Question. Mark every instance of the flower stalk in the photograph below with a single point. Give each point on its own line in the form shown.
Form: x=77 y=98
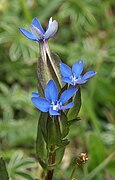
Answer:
x=54 y=97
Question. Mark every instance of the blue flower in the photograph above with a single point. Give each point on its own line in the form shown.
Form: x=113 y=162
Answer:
x=50 y=102
x=37 y=33
x=73 y=76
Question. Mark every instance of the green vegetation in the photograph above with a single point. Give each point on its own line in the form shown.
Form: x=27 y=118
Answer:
x=86 y=31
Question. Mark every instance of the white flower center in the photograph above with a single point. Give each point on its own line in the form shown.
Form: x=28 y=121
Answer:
x=74 y=79
x=55 y=106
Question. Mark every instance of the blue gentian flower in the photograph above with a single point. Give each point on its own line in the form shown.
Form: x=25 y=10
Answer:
x=50 y=102
x=73 y=76
x=37 y=33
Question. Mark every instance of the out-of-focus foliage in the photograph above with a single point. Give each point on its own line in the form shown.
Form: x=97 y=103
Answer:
x=86 y=31
x=3 y=170
x=18 y=167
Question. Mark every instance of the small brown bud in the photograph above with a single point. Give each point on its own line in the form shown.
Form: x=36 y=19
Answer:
x=82 y=158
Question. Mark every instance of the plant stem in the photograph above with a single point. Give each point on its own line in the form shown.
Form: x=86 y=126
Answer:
x=74 y=169
x=49 y=175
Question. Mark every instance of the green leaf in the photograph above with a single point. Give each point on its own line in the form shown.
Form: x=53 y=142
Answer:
x=43 y=124
x=41 y=145
x=59 y=154
x=54 y=65
x=73 y=121
x=25 y=175
x=73 y=112
x=50 y=8
x=48 y=67
x=60 y=151
x=43 y=74
x=14 y=52
x=64 y=125
x=3 y=170
x=24 y=163
x=97 y=154
x=53 y=132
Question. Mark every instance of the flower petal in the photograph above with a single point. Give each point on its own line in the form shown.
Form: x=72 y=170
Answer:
x=51 y=91
x=89 y=74
x=67 y=94
x=53 y=112
x=81 y=81
x=52 y=29
x=65 y=70
x=34 y=94
x=27 y=34
x=68 y=106
x=77 y=68
x=37 y=24
x=41 y=103
x=67 y=80
x=36 y=32
x=50 y=21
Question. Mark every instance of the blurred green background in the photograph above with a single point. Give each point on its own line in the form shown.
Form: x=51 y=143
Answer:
x=86 y=31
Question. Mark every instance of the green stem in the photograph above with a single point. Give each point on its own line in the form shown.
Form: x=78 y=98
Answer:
x=73 y=172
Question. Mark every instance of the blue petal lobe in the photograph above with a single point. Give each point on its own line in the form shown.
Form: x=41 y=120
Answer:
x=81 y=81
x=27 y=34
x=68 y=106
x=36 y=32
x=41 y=103
x=77 y=68
x=52 y=29
x=89 y=74
x=37 y=23
x=50 y=21
x=65 y=70
x=53 y=112
x=67 y=94
x=34 y=94
x=51 y=91
x=67 y=80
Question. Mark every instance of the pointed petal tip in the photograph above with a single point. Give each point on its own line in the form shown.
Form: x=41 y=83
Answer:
x=80 y=61
x=51 y=87
x=35 y=18
x=51 y=30
x=50 y=20
x=89 y=75
x=37 y=24
x=68 y=106
x=65 y=70
x=34 y=94
x=27 y=34
x=77 y=68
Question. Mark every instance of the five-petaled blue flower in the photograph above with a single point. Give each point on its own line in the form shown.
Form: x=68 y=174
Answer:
x=50 y=102
x=74 y=76
x=37 y=33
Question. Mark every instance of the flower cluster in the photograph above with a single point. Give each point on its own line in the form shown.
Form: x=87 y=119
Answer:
x=51 y=103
